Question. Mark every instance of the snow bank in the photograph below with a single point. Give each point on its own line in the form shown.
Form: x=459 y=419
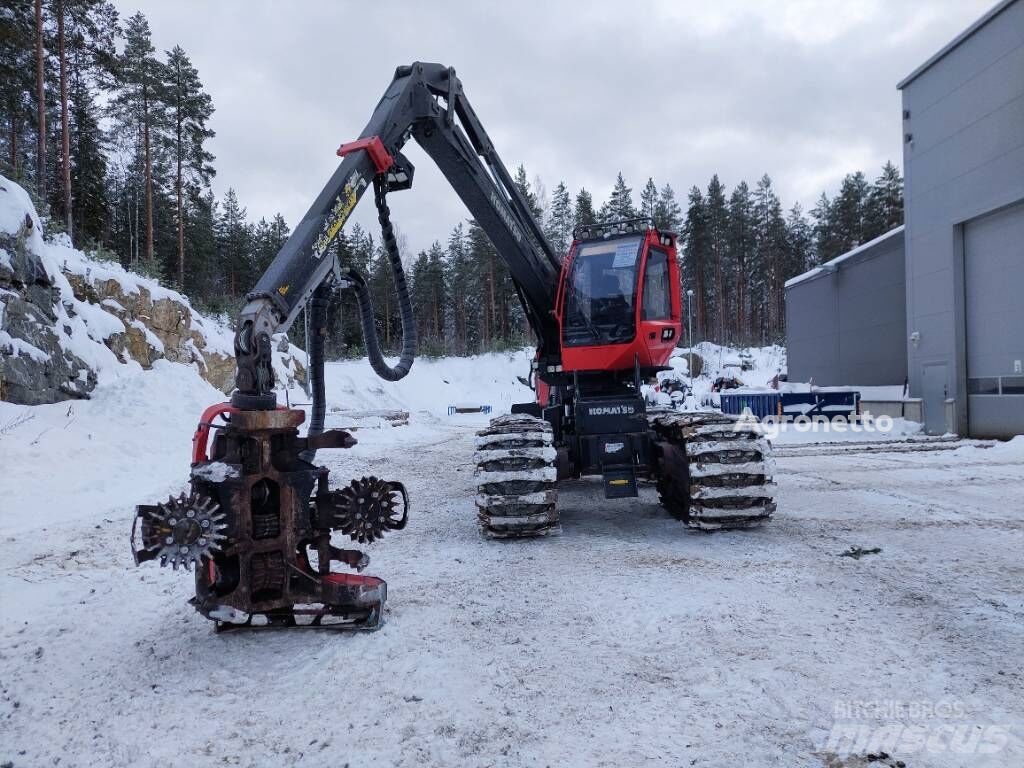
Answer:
x=431 y=386
x=96 y=458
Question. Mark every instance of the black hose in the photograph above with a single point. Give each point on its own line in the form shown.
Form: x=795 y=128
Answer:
x=318 y=331
x=370 y=338
x=318 y=322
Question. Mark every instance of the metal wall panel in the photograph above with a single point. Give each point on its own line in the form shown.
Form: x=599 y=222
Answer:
x=994 y=308
x=848 y=327
x=963 y=158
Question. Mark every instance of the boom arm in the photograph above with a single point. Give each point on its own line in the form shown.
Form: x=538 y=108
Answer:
x=422 y=102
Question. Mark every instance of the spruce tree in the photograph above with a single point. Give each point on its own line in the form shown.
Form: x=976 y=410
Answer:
x=559 y=225
x=800 y=242
x=668 y=216
x=18 y=105
x=583 y=214
x=234 y=246
x=884 y=204
x=90 y=39
x=848 y=210
x=91 y=205
x=649 y=200
x=620 y=203
x=826 y=245
x=459 y=287
x=769 y=252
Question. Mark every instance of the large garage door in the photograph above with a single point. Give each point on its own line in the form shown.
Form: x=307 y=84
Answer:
x=994 y=304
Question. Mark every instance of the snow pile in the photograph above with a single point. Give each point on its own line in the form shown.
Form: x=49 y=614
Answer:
x=94 y=459
x=70 y=322
x=434 y=385
x=755 y=367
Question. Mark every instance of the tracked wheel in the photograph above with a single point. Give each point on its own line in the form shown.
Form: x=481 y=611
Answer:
x=516 y=477
x=717 y=470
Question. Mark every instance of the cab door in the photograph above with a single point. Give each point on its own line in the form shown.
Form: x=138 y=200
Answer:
x=658 y=311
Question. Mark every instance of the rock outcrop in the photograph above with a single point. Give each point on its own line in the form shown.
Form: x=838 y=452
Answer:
x=66 y=317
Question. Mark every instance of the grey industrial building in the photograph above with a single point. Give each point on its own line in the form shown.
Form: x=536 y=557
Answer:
x=846 y=321
x=963 y=161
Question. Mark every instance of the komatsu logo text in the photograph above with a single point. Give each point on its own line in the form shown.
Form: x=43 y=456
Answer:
x=611 y=410
x=502 y=209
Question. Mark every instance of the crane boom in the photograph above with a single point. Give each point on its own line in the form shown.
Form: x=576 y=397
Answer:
x=425 y=102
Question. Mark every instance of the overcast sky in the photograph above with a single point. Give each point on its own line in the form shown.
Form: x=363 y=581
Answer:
x=804 y=90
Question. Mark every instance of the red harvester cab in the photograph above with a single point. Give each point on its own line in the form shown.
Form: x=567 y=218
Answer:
x=618 y=302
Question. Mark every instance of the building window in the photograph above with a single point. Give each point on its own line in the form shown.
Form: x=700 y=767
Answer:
x=1013 y=385
x=985 y=386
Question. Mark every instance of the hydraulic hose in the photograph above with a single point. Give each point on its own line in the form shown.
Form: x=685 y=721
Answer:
x=318 y=330
x=370 y=338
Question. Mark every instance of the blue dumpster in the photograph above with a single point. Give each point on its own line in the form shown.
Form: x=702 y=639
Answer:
x=761 y=404
x=827 y=404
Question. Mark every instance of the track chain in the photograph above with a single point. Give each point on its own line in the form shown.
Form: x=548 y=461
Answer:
x=516 y=477
x=730 y=468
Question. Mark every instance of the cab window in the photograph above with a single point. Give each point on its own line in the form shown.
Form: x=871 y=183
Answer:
x=656 y=303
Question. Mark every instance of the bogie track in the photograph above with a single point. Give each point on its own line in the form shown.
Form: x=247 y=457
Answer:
x=516 y=477
x=716 y=470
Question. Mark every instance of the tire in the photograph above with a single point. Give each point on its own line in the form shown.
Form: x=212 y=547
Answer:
x=516 y=476
x=721 y=477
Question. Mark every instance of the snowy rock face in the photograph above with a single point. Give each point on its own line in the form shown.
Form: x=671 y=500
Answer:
x=68 y=320
x=34 y=365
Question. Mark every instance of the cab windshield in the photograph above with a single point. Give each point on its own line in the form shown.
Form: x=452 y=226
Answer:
x=602 y=293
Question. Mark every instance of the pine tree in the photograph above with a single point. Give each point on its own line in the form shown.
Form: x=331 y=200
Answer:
x=141 y=113
x=189 y=110
x=741 y=248
x=695 y=250
x=40 y=61
x=583 y=213
x=65 y=116
x=718 y=224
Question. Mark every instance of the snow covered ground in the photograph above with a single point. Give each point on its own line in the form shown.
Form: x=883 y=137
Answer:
x=625 y=640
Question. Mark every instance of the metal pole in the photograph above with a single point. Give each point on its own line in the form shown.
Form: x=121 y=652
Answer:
x=689 y=321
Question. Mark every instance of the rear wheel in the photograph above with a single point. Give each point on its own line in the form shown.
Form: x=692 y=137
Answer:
x=716 y=470
x=516 y=477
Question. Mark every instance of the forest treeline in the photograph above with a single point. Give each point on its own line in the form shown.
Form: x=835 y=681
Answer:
x=111 y=137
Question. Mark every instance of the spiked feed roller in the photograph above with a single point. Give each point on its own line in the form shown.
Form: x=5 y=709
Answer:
x=366 y=508
x=257 y=524
x=180 y=531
